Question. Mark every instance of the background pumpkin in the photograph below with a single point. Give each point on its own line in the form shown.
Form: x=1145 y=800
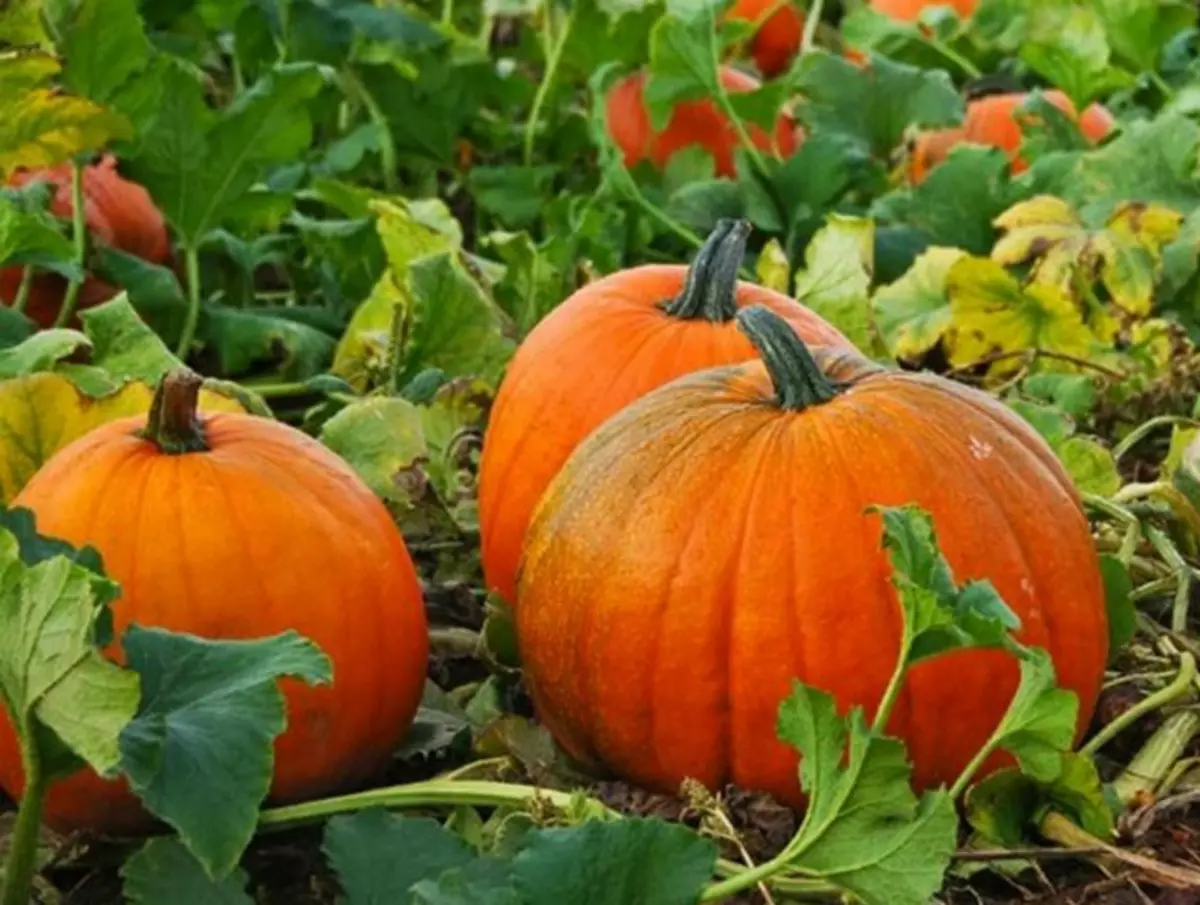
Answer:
x=118 y=212
x=608 y=344
x=709 y=543
x=777 y=40
x=692 y=123
x=910 y=10
x=992 y=121
x=242 y=527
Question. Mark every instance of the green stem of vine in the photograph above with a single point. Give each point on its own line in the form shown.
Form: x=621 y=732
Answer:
x=1158 y=757
x=191 y=257
x=1135 y=436
x=553 y=60
x=1178 y=686
x=892 y=693
x=726 y=105
x=23 y=843
x=811 y=22
x=79 y=234
x=24 y=288
x=353 y=86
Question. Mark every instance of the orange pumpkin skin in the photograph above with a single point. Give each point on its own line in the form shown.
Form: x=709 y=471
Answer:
x=117 y=212
x=910 y=10
x=993 y=121
x=607 y=345
x=691 y=123
x=706 y=546
x=268 y=531
x=777 y=40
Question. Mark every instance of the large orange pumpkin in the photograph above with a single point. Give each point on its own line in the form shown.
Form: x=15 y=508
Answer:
x=712 y=542
x=993 y=121
x=910 y=10
x=610 y=343
x=233 y=526
x=777 y=39
x=117 y=212
x=692 y=123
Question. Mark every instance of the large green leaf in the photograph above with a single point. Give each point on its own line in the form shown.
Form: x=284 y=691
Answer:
x=163 y=870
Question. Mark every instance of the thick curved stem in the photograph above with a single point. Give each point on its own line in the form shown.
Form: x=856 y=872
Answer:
x=710 y=292
x=173 y=424
x=798 y=380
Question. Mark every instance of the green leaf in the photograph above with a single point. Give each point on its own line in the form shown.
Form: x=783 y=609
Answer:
x=939 y=615
x=451 y=323
x=226 y=693
x=363 y=848
x=643 y=862
x=516 y=195
x=41 y=352
x=33 y=238
x=484 y=881
x=103 y=45
x=532 y=285
x=683 y=60
x=1039 y=726
x=163 y=870
x=244 y=340
x=874 y=106
x=837 y=279
x=913 y=313
x=123 y=345
x=51 y=673
x=1138 y=31
x=1075 y=394
x=198 y=164
x=34 y=548
x=382 y=439
x=864 y=829
x=1090 y=464
x=1068 y=46
x=957 y=202
x=1118 y=599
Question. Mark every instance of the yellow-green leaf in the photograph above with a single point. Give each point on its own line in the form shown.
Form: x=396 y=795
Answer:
x=772 y=268
x=1090 y=465
x=42 y=128
x=42 y=413
x=993 y=314
x=913 y=313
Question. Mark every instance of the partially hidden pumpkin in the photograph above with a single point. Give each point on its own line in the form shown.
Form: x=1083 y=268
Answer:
x=711 y=543
x=692 y=123
x=910 y=10
x=117 y=212
x=993 y=121
x=778 y=37
x=232 y=526
x=610 y=343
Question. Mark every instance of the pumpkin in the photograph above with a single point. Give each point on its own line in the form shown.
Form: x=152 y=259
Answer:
x=777 y=39
x=713 y=541
x=118 y=212
x=234 y=526
x=993 y=120
x=696 y=122
x=910 y=10
x=608 y=344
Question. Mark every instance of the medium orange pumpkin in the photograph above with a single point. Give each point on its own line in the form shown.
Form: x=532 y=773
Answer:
x=777 y=39
x=712 y=542
x=234 y=526
x=608 y=344
x=993 y=120
x=692 y=123
x=117 y=212
x=910 y=10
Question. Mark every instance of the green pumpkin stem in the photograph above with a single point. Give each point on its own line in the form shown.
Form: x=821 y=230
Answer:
x=710 y=292
x=798 y=380
x=173 y=424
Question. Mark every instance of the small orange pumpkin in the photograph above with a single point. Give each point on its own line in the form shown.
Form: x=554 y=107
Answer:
x=712 y=542
x=992 y=121
x=777 y=40
x=691 y=123
x=234 y=526
x=117 y=212
x=608 y=344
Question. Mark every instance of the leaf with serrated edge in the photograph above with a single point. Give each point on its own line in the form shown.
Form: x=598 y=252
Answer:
x=913 y=313
x=226 y=693
x=1040 y=722
x=163 y=870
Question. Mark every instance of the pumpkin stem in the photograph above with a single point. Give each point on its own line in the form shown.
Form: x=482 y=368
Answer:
x=711 y=288
x=173 y=425
x=798 y=380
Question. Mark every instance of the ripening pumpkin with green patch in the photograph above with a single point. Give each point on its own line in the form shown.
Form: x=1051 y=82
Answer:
x=777 y=39
x=715 y=540
x=231 y=526
x=993 y=120
x=693 y=123
x=610 y=343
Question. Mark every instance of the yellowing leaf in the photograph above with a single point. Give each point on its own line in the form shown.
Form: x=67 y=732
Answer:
x=42 y=128
x=408 y=230
x=994 y=315
x=1043 y=229
x=772 y=268
x=21 y=24
x=913 y=313
x=42 y=413
x=1041 y=210
x=1131 y=247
